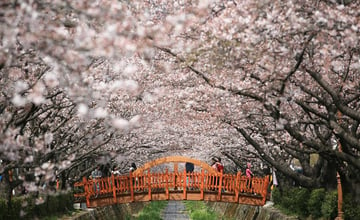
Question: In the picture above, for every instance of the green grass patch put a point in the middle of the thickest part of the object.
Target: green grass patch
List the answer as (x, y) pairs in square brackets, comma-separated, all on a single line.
[(199, 211), (152, 211)]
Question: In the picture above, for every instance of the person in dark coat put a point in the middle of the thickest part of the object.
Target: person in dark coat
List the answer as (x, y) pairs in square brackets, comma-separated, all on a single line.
[(189, 167)]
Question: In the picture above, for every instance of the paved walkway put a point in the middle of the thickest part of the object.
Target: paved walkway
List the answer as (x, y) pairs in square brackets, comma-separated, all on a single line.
[(175, 210)]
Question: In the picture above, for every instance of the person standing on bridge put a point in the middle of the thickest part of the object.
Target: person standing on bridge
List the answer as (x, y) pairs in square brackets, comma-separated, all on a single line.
[(189, 167), (96, 174), (249, 174), (214, 165), (132, 169), (219, 165)]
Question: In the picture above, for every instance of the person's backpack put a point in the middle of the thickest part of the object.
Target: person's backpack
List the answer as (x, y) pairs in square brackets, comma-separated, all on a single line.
[(219, 167)]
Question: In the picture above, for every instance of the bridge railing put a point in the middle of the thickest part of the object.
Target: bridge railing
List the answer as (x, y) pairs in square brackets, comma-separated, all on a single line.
[(167, 182)]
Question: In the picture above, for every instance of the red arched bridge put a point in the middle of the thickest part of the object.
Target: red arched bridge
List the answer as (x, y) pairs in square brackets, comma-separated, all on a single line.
[(142, 185)]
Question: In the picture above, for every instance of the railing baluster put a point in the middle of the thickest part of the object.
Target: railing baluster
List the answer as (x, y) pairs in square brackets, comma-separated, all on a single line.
[(167, 184), (202, 184), (237, 186), (131, 186), (220, 178), (125, 186), (184, 185), (113, 187), (149, 185), (265, 189)]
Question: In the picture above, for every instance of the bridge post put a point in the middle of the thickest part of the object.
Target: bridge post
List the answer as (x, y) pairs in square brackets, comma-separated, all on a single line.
[(167, 184), (131, 186), (149, 184), (87, 194), (175, 174), (184, 185), (265, 189), (220, 186), (237, 186), (202, 184), (113, 187)]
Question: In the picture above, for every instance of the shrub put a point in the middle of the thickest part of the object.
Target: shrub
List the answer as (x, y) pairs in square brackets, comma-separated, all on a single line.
[(14, 212), (276, 196), (315, 202), (3, 208), (25, 207), (299, 199), (292, 200), (351, 208), (329, 206)]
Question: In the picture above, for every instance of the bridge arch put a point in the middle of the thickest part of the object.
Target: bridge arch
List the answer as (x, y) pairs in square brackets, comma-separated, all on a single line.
[(175, 160)]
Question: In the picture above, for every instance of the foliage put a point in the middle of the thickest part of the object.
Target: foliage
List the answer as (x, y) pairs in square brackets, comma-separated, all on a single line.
[(315, 202), (318, 203), (329, 206), (276, 195), (27, 207), (152, 211), (302, 202), (351, 207), (293, 199)]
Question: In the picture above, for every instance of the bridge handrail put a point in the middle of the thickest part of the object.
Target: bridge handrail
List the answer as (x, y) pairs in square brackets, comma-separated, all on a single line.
[(171, 181)]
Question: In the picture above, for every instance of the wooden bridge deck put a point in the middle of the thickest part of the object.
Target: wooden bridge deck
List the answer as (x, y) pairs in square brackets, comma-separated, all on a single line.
[(172, 186)]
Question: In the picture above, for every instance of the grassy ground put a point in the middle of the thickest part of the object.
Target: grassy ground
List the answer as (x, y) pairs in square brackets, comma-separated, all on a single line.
[(152, 211), (199, 211)]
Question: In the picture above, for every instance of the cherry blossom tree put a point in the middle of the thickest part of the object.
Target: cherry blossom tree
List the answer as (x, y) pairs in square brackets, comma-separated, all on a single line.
[(112, 81), (294, 69)]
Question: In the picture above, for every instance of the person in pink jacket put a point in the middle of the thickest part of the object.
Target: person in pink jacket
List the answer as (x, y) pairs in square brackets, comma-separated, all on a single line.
[(249, 174)]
